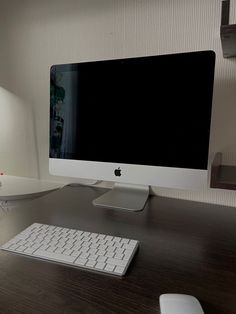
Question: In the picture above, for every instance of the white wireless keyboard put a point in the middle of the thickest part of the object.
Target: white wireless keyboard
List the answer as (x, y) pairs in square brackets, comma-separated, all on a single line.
[(92, 251)]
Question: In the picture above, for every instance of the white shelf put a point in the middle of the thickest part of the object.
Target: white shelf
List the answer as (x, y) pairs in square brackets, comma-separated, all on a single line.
[(17, 188)]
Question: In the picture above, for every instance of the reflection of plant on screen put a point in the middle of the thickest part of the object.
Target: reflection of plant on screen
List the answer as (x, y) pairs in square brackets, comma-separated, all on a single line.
[(57, 95)]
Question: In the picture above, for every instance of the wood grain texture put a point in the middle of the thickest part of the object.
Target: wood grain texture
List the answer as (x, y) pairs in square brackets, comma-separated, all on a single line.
[(185, 247)]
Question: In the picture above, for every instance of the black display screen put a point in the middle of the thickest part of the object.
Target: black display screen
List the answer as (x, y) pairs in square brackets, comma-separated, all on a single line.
[(146, 110)]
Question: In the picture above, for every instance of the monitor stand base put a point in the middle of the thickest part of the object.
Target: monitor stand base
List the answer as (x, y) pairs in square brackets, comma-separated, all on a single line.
[(124, 196)]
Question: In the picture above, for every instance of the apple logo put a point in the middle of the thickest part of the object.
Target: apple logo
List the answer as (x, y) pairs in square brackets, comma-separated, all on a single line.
[(117, 172)]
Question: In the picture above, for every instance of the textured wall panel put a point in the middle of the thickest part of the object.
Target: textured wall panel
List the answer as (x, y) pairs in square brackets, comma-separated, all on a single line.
[(38, 34)]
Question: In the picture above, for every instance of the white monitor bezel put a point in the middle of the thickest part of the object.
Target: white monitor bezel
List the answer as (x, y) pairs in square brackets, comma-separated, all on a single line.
[(169, 177)]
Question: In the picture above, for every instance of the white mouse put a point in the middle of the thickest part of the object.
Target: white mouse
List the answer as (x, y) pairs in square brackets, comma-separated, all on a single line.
[(171, 303)]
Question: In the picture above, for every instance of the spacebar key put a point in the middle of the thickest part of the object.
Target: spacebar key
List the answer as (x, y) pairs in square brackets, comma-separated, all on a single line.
[(54, 256)]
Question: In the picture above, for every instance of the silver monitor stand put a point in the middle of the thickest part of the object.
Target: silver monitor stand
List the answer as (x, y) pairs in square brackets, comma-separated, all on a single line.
[(124, 196)]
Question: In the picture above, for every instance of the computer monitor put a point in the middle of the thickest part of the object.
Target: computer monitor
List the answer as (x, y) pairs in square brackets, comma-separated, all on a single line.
[(139, 122)]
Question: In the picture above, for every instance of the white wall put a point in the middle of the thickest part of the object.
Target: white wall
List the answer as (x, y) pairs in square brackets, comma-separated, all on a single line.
[(38, 34), (18, 155), (18, 152)]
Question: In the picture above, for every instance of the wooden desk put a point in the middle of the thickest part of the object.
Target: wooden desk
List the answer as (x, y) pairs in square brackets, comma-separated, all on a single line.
[(185, 247)]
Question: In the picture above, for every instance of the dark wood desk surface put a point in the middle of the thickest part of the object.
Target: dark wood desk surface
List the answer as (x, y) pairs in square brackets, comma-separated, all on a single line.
[(185, 247)]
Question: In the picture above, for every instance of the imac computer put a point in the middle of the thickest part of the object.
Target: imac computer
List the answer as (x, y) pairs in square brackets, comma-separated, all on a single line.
[(138, 122)]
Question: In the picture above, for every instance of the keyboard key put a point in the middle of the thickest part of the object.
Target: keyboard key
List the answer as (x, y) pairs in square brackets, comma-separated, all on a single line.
[(109, 267), (109, 254), (100, 265), (21, 248), (29, 251), (90, 263), (101, 258), (75, 253), (93, 257), (14, 246), (119, 269), (84, 255), (81, 261), (119, 256), (67, 252), (59, 250), (54, 256), (116, 262)]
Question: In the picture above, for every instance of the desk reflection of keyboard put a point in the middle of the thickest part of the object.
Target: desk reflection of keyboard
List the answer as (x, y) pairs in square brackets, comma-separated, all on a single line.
[(91, 251)]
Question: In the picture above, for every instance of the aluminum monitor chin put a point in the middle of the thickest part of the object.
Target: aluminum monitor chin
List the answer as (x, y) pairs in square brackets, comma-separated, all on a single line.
[(143, 121)]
